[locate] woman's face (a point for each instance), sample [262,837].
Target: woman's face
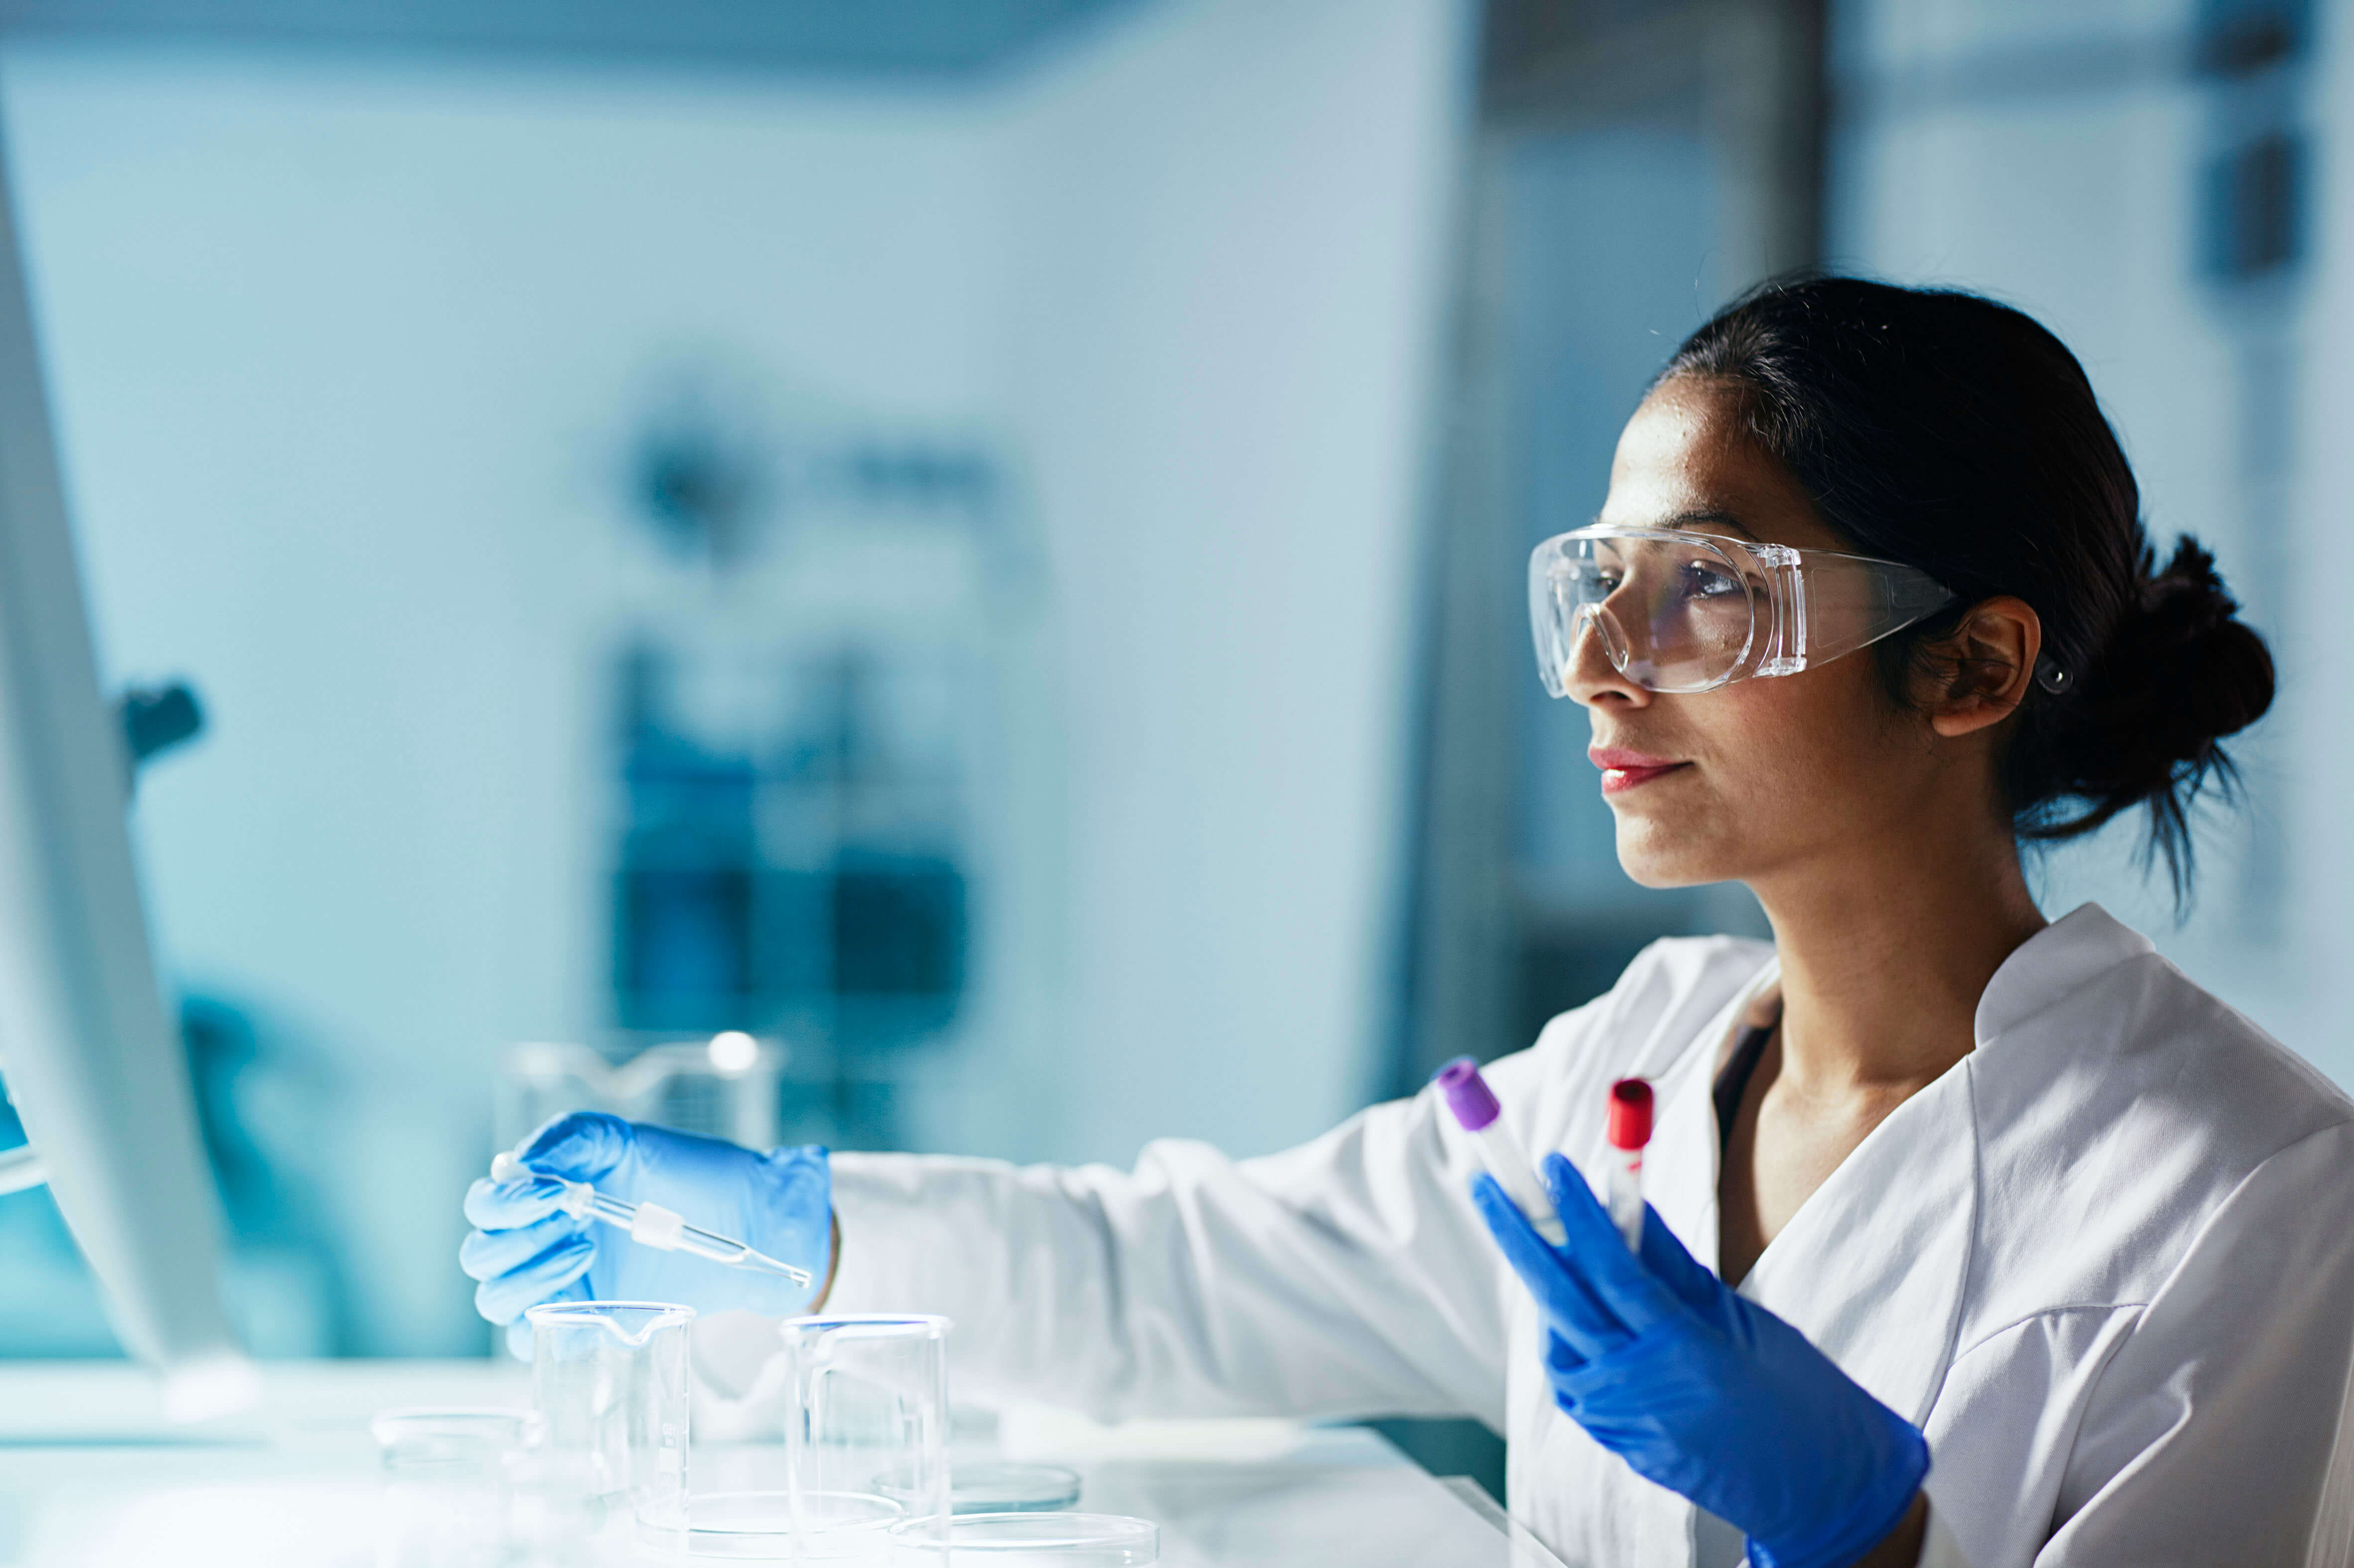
[1764,776]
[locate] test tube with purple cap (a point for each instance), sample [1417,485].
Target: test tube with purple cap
[1474,1105]
[1629,1128]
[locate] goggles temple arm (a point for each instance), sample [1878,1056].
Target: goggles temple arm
[1786,648]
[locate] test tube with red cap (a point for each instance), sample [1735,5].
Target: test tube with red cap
[1629,1131]
[1474,1105]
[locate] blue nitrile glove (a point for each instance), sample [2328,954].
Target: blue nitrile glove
[1704,1392]
[525,1249]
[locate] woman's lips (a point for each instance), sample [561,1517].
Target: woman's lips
[1623,769]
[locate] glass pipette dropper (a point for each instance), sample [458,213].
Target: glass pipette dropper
[651,1224]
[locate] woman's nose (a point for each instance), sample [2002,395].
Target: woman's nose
[1594,677]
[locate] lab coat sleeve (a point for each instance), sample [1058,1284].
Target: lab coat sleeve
[1346,1278]
[2209,1435]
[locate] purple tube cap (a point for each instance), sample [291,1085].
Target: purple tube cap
[1467,1093]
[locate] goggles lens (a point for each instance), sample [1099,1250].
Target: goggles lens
[1678,611]
[1674,614]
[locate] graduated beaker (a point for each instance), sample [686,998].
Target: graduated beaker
[609,1379]
[867,1437]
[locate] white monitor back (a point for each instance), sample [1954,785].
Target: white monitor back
[87,1049]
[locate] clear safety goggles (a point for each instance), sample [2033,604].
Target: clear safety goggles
[1682,612]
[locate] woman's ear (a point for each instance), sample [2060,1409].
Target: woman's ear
[1977,674]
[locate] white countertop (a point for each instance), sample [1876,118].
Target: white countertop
[92,1477]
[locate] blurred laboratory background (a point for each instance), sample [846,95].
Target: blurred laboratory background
[947,574]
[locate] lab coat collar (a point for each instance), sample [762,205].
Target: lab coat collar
[2053,963]
[1872,1266]
[1891,1230]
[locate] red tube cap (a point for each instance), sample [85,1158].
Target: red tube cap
[1631,1114]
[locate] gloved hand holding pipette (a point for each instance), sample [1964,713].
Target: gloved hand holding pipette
[538,1237]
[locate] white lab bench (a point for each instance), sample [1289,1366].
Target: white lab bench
[91,1478]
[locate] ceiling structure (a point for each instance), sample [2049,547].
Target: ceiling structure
[838,38]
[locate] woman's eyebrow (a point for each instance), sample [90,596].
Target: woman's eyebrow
[1705,514]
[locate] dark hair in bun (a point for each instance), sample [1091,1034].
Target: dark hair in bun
[1939,429]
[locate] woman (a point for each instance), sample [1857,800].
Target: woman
[2041,1252]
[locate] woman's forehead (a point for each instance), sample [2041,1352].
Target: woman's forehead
[1685,460]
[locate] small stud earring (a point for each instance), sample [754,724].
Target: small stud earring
[2052,676]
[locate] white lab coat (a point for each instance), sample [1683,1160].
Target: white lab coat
[2106,1261]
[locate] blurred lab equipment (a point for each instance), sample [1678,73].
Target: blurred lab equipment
[157,718]
[793,858]
[1698,1389]
[609,1379]
[529,1245]
[802,715]
[1475,1108]
[724,1087]
[93,1066]
[651,1224]
[448,1486]
[792,847]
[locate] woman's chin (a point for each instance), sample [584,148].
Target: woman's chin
[1650,862]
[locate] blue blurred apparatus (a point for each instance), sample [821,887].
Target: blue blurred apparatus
[793,832]
[843,915]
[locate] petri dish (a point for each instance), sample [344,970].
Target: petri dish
[759,1526]
[1030,1541]
[995,1488]
[443,1435]
[450,1478]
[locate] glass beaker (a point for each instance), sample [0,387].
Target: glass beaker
[609,1379]
[448,1486]
[866,1439]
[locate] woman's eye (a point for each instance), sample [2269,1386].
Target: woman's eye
[1709,582]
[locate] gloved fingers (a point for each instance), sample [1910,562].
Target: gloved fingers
[487,1254]
[796,1167]
[1682,1273]
[503,1298]
[794,1188]
[579,1146]
[518,1333]
[1562,1359]
[1571,1305]
[1598,1253]
[684,1155]
[1562,1365]
[511,1205]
